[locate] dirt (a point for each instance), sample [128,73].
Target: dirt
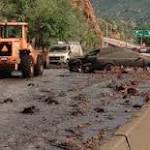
[68,111]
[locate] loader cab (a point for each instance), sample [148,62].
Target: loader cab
[14,32]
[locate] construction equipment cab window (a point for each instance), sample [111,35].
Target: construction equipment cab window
[10,31]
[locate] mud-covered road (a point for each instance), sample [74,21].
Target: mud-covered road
[68,111]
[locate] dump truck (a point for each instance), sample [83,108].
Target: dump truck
[17,53]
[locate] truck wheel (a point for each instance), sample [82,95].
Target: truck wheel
[88,68]
[39,67]
[71,68]
[108,67]
[27,67]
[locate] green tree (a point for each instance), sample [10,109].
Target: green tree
[49,20]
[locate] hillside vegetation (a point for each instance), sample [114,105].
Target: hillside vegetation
[49,20]
[133,10]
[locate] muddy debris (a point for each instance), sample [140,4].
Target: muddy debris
[74,132]
[31,85]
[77,112]
[111,84]
[127,111]
[62,94]
[79,105]
[124,96]
[80,97]
[132,91]
[110,117]
[50,100]
[83,125]
[128,88]
[116,86]
[30,110]
[63,75]
[120,88]
[146,97]
[126,102]
[68,144]
[94,142]
[134,82]
[99,110]
[124,71]
[138,106]
[7,100]
[45,91]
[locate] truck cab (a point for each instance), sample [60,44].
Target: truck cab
[63,52]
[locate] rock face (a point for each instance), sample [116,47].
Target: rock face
[123,9]
[89,13]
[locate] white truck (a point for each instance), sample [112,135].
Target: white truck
[63,52]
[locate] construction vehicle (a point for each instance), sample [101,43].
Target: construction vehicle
[16,52]
[63,52]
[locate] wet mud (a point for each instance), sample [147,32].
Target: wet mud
[68,111]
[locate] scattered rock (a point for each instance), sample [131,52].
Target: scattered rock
[120,88]
[77,112]
[134,82]
[30,110]
[127,102]
[119,75]
[45,91]
[80,98]
[74,132]
[110,117]
[127,111]
[93,143]
[31,85]
[137,106]
[110,85]
[147,98]
[79,105]
[7,100]
[50,100]
[62,75]
[69,144]
[99,110]
[124,71]
[124,96]
[62,94]
[132,91]
[83,125]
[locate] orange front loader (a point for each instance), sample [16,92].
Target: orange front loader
[16,53]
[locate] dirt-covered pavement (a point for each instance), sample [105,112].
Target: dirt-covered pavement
[68,111]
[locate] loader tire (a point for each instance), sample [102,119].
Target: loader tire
[39,67]
[27,67]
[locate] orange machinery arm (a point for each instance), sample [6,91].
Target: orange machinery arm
[89,13]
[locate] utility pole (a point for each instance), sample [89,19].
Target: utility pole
[107,30]
[126,28]
[141,41]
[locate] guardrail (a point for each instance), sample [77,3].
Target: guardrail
[120,43]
